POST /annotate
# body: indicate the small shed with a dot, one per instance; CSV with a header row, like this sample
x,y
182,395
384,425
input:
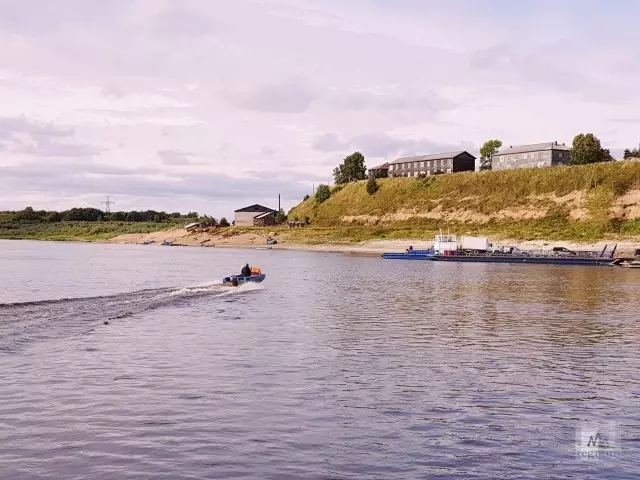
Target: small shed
x,y
266,218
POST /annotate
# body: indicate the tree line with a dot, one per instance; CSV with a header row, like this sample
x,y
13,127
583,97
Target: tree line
x,y
96,215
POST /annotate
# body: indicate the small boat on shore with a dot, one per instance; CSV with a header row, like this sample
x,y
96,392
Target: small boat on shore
x,y
236,280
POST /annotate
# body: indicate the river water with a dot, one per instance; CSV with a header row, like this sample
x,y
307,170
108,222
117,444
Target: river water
x,y
335,367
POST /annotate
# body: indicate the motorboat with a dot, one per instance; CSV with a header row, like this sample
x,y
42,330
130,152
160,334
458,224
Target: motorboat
x,y
235,280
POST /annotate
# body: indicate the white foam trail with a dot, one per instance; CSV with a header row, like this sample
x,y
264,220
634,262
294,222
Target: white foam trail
x,y
244,287
203,287
215,286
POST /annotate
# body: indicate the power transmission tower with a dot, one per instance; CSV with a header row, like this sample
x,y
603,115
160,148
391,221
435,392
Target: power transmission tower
x,y
107,204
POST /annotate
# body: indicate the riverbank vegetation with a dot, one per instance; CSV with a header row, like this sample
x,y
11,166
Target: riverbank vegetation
x,y
86,223
581,202
85,231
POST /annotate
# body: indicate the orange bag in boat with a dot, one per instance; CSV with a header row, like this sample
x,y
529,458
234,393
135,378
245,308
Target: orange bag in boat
x,y
255,271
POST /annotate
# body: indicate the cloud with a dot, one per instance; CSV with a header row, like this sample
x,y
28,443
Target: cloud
x,y
329,142
383,145
626,120
540,70
112,91
175,157
182,22
286,96
268,151
22,135
298,95
427,103
77,179
38,130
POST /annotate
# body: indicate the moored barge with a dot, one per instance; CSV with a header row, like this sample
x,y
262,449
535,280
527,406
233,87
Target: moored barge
x,y
447,248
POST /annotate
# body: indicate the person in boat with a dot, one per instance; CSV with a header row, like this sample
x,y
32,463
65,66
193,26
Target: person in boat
x,y
410,249
246,271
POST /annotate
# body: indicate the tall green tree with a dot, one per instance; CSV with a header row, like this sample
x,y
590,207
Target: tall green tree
x,y
588,149
323,193
635,153
487,150
351,169
281,217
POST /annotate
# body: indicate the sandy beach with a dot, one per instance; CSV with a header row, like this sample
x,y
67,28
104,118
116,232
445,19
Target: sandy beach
x,y
258,239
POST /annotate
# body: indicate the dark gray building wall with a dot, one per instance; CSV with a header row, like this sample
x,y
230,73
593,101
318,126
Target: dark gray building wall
x,y
464,162
543,158
459,163
560,157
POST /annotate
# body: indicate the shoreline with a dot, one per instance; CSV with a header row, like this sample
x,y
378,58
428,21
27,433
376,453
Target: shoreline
x,y
258,239
370,248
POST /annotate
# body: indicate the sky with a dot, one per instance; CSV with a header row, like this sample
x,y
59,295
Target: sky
x,y
213,105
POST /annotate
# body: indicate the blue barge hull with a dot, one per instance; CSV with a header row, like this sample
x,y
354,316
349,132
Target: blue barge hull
x,y
523,259
596,261
407,256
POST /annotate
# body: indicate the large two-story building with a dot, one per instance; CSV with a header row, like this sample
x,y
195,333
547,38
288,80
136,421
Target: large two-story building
x,y
536,155
426,165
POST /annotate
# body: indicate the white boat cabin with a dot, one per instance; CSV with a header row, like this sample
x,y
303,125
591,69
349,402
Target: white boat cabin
x,y
443,243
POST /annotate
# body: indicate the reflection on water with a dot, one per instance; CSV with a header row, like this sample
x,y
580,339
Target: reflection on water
x,y
335,367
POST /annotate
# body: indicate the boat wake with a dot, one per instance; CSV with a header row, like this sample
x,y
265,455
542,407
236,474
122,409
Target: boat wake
x,y
24,322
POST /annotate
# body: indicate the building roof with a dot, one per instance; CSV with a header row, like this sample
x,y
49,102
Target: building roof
x,y
265,214
380,167
255,208
534,147
434,156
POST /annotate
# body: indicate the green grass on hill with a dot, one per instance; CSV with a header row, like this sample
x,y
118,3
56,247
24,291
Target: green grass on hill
x,y
477,196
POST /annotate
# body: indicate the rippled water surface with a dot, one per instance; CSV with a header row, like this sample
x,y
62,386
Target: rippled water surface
x,y
335,367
